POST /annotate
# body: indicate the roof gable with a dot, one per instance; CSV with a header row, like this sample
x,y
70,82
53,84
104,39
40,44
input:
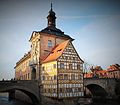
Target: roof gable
x,y
70,53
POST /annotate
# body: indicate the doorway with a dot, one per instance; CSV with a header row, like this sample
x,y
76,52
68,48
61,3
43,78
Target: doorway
x,y
33,73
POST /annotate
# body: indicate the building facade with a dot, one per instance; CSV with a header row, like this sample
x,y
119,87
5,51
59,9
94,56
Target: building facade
x,y
113,71
22,68
53,60
62,75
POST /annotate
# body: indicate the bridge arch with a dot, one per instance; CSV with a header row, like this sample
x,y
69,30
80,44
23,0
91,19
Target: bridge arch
x,y
96,90
28,92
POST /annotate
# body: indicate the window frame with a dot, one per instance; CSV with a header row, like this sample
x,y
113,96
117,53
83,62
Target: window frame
x,y
62,65
49,43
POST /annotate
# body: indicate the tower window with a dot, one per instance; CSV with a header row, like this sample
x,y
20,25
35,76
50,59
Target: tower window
x,y
49,43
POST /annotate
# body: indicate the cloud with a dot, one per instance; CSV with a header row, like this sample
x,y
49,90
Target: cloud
x,y
99,41
88,16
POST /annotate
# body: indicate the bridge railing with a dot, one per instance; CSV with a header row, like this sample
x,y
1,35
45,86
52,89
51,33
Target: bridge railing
x,y
16,82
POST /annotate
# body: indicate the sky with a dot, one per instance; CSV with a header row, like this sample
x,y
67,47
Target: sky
x,y
94,24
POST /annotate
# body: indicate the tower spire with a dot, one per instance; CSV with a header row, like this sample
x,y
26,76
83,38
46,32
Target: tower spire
x,y
51,18
51,6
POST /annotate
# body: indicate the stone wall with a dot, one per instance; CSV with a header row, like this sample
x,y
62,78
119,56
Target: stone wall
x,y
49,101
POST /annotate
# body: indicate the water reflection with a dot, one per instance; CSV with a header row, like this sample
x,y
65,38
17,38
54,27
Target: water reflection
x,y
83,101
89,101
5,101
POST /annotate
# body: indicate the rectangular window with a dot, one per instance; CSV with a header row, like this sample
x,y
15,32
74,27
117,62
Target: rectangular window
x,y
73,76
62,65
54,90
76,76
70,66
69,89
49,90
54,66
80,76
55,77
78,66
60,76
60,90
81,66
44,90
28,75
73,58
65,76
79,89
49,43
43,68
75,65
76,89
43,77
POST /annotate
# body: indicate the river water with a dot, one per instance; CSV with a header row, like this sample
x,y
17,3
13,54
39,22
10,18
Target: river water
x,y
4,101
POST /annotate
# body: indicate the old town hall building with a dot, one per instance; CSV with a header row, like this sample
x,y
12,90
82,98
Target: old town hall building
x,y
54,61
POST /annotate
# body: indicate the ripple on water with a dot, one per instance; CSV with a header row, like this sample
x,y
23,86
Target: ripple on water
x,y
4,101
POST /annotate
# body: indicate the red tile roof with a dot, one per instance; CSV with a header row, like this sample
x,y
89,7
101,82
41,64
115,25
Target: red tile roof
x,y
113,67
88,75
56,52
102,71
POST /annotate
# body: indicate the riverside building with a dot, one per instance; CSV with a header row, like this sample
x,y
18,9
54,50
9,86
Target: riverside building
x,y
54,61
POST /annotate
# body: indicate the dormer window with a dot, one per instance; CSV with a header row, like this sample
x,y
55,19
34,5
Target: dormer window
x,y
59,50
49,43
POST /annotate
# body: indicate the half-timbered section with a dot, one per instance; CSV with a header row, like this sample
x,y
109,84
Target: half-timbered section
x,y
70,76
62,75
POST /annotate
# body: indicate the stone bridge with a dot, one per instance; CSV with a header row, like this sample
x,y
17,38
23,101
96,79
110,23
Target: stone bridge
x,y
104,87
30,88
